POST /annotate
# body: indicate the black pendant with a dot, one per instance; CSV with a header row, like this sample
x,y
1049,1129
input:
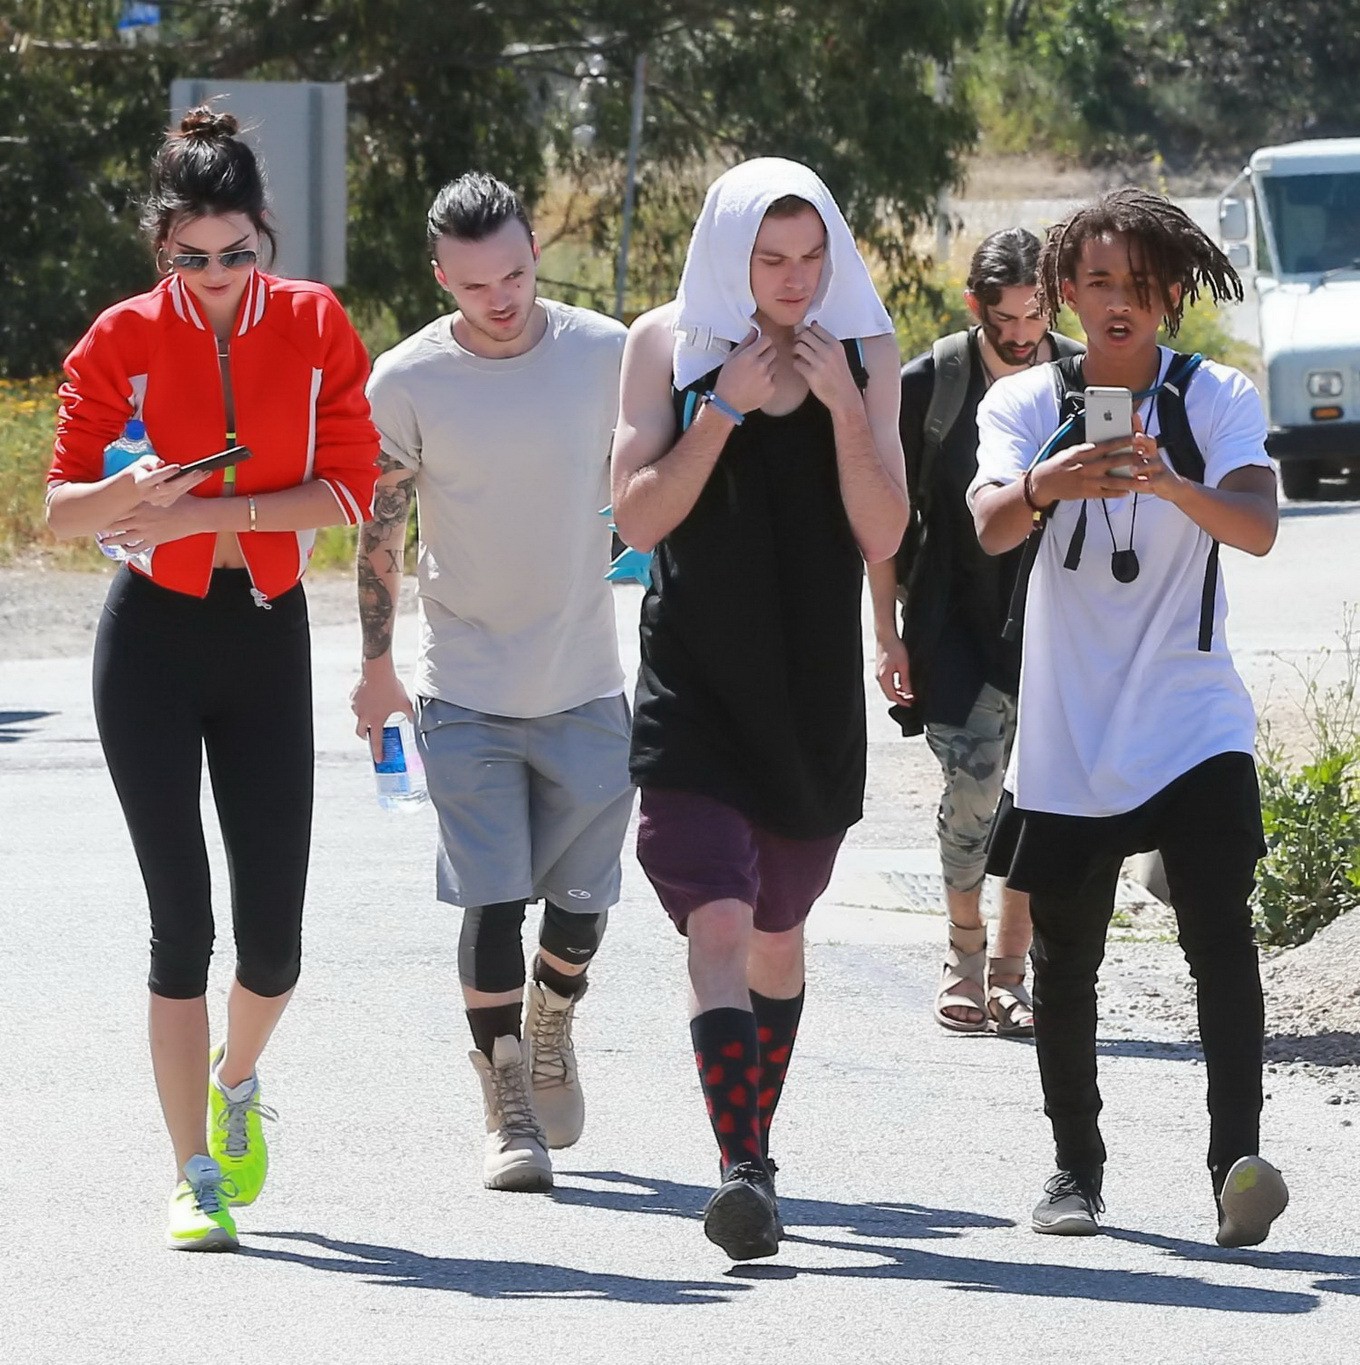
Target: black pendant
x,y
1124,565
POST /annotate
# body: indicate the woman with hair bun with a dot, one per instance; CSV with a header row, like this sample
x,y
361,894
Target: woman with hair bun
x,y
203,643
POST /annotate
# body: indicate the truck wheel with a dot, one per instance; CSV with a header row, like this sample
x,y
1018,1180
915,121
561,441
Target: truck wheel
x,y
1299,479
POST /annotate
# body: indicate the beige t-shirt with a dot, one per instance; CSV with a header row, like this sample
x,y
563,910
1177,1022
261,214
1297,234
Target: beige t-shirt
x,y
512,468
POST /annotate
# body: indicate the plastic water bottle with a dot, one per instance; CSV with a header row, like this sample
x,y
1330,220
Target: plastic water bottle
x,y
399,774
126,450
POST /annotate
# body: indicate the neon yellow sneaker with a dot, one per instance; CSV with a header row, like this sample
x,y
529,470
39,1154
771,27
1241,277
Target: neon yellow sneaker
x,y
236,1136
200,1219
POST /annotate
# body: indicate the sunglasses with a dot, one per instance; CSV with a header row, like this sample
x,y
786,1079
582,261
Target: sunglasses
x,y
229,260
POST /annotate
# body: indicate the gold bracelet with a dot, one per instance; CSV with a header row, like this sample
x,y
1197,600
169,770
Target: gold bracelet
x,y
250,503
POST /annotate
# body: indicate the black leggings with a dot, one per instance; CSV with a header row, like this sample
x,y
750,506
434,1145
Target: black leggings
x,y
1207,825
175,675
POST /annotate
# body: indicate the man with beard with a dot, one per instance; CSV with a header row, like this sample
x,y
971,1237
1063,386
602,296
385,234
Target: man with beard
x,y
498,418
948,670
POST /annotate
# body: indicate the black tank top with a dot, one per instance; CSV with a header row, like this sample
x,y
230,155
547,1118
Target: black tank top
x,y
751,689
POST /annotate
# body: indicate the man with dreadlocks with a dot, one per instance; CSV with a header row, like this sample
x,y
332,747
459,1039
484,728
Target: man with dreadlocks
x,y
1135,731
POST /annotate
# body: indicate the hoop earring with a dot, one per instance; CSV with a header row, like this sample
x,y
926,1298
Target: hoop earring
x,y
167,268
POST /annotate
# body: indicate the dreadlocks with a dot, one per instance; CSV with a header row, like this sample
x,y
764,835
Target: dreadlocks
x,y
1173,251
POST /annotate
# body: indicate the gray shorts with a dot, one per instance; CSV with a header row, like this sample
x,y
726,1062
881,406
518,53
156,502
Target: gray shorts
x,y
528,808
974,757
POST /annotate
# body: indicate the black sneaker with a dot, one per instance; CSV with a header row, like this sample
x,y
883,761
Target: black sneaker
x,y
774,1172
1070,1206
742,1217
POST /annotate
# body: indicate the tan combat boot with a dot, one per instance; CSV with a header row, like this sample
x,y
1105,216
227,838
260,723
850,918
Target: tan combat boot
x,y
516,1149
552,1064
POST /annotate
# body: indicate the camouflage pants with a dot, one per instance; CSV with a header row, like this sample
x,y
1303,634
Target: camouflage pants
x,y
974,757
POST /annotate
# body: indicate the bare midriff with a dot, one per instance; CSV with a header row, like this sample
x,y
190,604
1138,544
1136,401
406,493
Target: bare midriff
x,y
227,554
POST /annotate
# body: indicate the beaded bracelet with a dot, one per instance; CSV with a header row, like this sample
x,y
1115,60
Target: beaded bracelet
x,y
1027,487
726,409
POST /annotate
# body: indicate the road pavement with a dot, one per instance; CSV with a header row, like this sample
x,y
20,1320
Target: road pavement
x,y
909,1158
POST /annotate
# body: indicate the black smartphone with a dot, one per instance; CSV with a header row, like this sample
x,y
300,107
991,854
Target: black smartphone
x,y
224,459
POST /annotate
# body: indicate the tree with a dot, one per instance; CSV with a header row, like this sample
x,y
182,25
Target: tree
x,y
440,86
78,121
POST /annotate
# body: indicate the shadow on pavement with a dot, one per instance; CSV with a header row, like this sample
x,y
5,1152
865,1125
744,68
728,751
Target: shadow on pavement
x,y
911,1222
16,725
483,1279
1333,503
1332,1048
645,1194
1304,1262
1165,1050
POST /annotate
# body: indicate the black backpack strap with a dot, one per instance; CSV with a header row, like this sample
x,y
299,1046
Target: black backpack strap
x,y
952,356
854,355
1071,396
685,402
1172,423
1071,388
1188,461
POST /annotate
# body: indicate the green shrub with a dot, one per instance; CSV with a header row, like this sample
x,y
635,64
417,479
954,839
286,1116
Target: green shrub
x,y
28,411
1311,812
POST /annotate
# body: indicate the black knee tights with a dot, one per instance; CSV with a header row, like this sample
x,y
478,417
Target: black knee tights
x,y
571,936
175,675
491,947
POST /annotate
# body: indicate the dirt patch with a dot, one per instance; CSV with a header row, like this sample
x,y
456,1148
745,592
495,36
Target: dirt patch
x,y
1036,176
1313,992
52,613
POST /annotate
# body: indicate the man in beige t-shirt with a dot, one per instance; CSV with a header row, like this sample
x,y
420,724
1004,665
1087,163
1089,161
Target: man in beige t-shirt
x,y
498,419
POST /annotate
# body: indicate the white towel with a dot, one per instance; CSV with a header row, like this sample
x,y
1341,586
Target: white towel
x,y
716,308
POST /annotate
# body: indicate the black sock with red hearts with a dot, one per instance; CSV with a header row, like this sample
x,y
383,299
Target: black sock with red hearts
x,y
776,1029
728,1057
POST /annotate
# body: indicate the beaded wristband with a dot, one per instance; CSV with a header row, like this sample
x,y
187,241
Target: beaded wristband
x,y
1027,487
726,409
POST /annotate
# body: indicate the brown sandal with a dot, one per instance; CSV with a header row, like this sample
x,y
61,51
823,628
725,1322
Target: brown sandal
x,y
1009,1006
963,982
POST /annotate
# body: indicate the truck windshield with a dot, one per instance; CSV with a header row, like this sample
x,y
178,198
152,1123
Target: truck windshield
x,y
1315,220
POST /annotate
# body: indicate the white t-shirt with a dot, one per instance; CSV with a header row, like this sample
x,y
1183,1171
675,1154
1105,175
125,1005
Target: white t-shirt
x,y
512,468
1116,698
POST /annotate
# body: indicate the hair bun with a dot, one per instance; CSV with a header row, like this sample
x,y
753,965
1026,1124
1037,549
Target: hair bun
x,y
205,122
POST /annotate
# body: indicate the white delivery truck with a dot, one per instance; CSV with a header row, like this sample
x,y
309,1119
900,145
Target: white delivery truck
x,y
1294,213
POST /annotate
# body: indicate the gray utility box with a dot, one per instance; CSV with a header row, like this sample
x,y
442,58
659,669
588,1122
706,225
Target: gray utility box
x,y
297,128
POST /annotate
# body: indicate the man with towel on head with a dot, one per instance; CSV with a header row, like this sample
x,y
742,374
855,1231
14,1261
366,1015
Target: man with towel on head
x,y
757,451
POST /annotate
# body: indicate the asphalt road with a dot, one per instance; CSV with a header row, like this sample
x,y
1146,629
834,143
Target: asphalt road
x,y
909,1158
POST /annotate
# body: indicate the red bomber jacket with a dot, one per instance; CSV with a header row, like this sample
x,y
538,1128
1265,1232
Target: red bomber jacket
x,y
297,375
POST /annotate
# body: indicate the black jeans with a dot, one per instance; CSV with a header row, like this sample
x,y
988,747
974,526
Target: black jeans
x,y
1207,826
175,675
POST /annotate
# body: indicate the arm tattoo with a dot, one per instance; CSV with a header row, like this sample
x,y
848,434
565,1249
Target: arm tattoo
x,y
383,535
375,611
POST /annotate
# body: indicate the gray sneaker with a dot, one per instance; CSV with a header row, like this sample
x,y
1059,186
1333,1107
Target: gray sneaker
x,y
1070,1207
516,1149
1253,1197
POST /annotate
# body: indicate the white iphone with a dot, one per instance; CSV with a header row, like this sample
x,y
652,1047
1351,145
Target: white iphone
x,y
1109,413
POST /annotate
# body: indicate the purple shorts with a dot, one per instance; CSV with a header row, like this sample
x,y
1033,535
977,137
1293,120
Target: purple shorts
x,y
695,850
